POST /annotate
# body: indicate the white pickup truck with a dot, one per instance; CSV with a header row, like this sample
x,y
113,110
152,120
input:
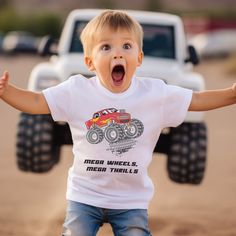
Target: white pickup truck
x,y
167,57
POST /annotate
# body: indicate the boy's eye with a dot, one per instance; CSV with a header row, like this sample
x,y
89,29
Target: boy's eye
x,y
127,46
105,47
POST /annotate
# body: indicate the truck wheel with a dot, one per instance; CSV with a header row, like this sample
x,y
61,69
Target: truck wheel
x,y
113,133
188,153
35,150
134,129
95,135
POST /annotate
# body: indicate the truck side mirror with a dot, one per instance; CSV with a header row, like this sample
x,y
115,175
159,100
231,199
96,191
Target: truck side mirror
x,y
193,56
47,46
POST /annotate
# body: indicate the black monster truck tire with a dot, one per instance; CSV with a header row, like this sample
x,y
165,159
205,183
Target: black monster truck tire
x,y
113,133
36,151
134,129
187,153
95,135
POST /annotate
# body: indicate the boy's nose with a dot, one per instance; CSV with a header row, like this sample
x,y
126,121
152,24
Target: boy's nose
x,y
118,57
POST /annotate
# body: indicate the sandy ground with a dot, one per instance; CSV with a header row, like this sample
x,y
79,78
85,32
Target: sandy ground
x,y
34,205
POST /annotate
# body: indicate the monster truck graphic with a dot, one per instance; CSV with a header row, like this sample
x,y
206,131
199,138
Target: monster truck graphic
x,y
115,125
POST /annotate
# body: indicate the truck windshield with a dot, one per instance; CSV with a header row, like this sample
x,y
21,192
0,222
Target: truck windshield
x,y
158,40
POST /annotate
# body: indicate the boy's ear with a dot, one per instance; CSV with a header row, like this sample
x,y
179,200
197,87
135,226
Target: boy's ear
x,y
140,58
88,61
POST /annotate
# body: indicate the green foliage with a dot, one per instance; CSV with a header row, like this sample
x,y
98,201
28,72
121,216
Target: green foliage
x,y
4,3
44,23
8,20
39,24
153,5
106,4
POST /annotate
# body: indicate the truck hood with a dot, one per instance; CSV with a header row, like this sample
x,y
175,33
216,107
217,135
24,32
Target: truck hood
x,y
168,70
165,69
70,64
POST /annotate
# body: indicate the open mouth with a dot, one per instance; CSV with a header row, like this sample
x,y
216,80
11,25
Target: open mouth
x,y
117,74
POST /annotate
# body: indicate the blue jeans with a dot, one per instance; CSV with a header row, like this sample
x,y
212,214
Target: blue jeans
x,y
85,220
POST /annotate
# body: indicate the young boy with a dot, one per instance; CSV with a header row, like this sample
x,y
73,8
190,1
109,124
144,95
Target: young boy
x,y
108,181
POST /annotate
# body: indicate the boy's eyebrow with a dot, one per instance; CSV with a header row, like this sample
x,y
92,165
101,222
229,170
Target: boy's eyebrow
x,y
108,39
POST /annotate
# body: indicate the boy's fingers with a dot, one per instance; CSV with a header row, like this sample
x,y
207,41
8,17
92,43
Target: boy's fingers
x,y
6,75
4,80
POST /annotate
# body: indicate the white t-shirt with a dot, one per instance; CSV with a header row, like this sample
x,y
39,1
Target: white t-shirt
x,y
114,136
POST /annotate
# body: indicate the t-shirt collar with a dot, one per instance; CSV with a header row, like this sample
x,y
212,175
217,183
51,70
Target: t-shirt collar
x,y
126,93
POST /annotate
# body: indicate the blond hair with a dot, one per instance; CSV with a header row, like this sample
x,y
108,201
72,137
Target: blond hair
x,y
113,19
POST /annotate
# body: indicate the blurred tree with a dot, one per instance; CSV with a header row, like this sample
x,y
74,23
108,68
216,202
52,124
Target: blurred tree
x,y
153,5
39,24
46,23
108,4
4,3
9,19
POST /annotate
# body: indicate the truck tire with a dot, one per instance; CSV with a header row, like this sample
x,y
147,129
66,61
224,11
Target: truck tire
x,y
35,149
113,133
187,153
95,135
134,129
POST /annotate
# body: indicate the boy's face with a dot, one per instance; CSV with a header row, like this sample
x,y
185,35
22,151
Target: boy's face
x,y
114,58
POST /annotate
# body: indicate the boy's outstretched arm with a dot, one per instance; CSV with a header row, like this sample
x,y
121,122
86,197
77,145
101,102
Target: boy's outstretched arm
x,y
212,99
23,100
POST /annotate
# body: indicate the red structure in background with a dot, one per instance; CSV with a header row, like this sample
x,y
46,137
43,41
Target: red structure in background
x,y
202,24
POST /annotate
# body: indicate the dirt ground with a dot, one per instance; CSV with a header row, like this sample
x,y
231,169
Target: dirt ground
x,y
34,205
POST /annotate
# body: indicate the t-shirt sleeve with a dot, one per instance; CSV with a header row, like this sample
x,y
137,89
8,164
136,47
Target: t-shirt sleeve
x,y
58,100
176,104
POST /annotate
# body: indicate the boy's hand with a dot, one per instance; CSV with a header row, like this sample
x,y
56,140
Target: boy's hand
x,y
21,99
213,99
4,83
234,88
